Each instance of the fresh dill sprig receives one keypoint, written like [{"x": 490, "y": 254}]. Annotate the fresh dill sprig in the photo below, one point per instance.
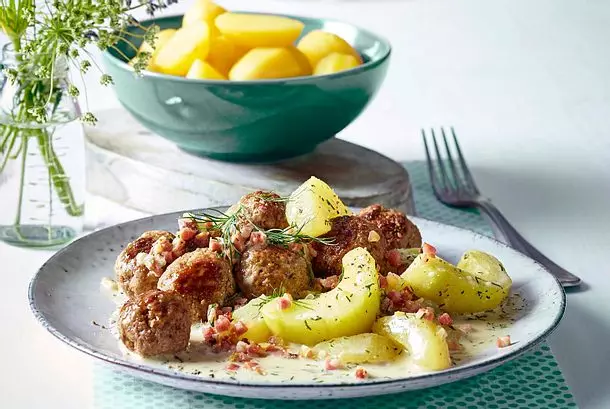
[
  {"x": 277, "y": 293},
  {"x": 291, "y": 234},
  {"x": 225, "y": 224}
]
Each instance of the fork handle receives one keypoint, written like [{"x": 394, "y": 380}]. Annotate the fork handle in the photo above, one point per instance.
[{"x": 505, "y": 232}]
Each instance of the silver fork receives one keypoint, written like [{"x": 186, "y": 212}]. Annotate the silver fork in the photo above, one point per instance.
[{"x": 454, "y": 185}]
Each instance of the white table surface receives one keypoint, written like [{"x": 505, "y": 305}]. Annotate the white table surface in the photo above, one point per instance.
[{"x": 527, "y": 86}]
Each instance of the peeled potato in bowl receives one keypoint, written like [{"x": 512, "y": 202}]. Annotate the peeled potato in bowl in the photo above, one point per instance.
[
  {"x": 317, "y": 44},
  {"x": 186, "y": 45},
  {"x": 335, "y": 62},
  {"x": 202, "y": 10},
  {"x": 266, "y": 63},
  {"x": 259, "y": 30}
]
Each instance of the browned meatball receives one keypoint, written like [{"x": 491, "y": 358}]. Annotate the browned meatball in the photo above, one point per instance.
[
  {"x": 155, "y": 323},
  {"x": 202, "y": 277},
  {"x": 264, "y": 209},
  {"x": 349, "y": 232},
  {"x": 135, "y": 278},
  {"x": 265, "y": 270},
  {"x": 398, "y": 231}
]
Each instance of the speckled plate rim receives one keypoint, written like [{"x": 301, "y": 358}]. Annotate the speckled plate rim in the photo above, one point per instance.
[{"x": 249, "y": 389}]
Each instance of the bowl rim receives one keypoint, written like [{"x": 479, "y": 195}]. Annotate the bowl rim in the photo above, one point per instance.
[{"x": 112, "y": 59}]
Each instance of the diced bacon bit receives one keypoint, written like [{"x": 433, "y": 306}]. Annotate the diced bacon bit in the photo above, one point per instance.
[
  {"x": 240, "y": 328},
  {"x": 215, "y": 245},
  {"x": 232, "y": 366},
  {"x": 267, "y": 347},
  {"x": 361, "y": 373},
  {"x": 331, "y": 364},
  {"x": 255, "y": 350},
  {"x": 429, "y": 250},
  {"x": 187, "y": 223},
  {"x": 374, "y": 237},
  {"x": 178, "y": 247},
  {"x": 329, "y": 282},
  {"x": 222, "y": 324},
  {"x": 284, "y": 302},
  {"x": 241, "y": 346},
  {"x": 240, "y": 357},
  {"x": 503, "y": 342},
  {"x": 394, "y": 296},
  {"x": 238, "y": 242},
  {"x": 306, "y": 352},
  {"x": 208, "y": 334},
  {"x": 254, "y": 366},
  {"x": 212, "y": 313},
  {"x": 393, "y": 257},
  {"x": 383, "y": 281},
  {"x": 445, "y": 319},
  {"x": 411, "y": 306},
  {"x": 258, "y": 237},
  {"x": 465, "y": 328},
  {"x": 426, "y": 313},
  {"x": 276, "y": 341},
  {"x": 201, "y": 240},
  {"x": 186, "y": 233}
]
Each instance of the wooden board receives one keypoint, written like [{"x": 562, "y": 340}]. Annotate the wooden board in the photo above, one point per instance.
[{"x": 129, "y": 165}]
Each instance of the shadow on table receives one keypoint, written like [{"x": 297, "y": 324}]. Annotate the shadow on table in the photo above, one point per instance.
[{"x": 580, "y": 344}]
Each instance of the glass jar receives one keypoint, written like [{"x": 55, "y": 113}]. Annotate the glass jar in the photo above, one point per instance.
[{"x": 42, "y": 172}]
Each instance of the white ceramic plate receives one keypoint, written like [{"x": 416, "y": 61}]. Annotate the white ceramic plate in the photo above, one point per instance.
[{"x": 65, "y": 297}]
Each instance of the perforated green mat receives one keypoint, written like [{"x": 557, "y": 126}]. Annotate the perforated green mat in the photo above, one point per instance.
[{"x": 532, "y": 381}]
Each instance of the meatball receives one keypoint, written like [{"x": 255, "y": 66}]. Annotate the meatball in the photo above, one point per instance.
[
  {"x": 133, "y": 277},
  {"x": 155, "y": 323},
  {"x": 398, "y": 231},
  {"x": 268, "y": 269},
  {"x": 202, "y": 277},
  {"x": 265, "y": 210},
  {"x": 349, "y": 232}
]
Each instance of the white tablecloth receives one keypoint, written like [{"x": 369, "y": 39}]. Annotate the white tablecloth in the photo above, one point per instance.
[{"x": 527, "y": 86}]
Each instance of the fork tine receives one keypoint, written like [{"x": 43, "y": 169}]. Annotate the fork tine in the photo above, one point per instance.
[
  {"x": 440, "y": 161},
  {"x": 465, "y": 171},
  {"x": 456, "y": 176},
  {"x": 431, "y": 171}
]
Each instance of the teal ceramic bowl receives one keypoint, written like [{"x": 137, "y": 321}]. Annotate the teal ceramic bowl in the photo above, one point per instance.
[{"x": 252, "y": 121}]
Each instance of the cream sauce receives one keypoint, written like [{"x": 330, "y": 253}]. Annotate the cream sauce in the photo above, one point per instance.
[{"x": 199, "y": 360}]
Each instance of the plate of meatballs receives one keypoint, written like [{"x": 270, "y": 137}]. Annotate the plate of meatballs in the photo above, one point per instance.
[{"x": 296, "y": 297}]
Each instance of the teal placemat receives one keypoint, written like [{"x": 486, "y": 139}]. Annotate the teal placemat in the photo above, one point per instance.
[{"x": 532, "y": 381}]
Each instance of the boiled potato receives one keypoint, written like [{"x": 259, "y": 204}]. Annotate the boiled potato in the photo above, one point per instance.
[
  {"x": 359, "y": 349},
  {"x": 302, "y": 60},
  {"x": 478, "y": 283},
  {"x": 265, "y": 63},
  {"x": 202, "y": 10},
  {"x": 348, "y": 309},
  {"x": 257, "y": 30},
  {"x": 224, "y": 53},
  {"x": 312, "y": 205},
  {"x": 250, "y": 314},
  {"x": 161, "y": 38},
  {"x": 318, "y": 44},
  {"x": 335, "y": 62},
  {"x": 183, "y": 48},
  {"x": 203, "y": 71},
  {"x": 425, "y": 340}
]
